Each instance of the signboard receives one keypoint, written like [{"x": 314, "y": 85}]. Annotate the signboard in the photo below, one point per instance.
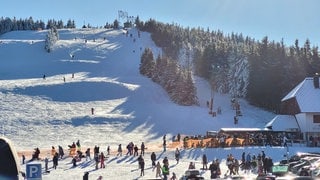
[
  {"x": 33, "y": 171},
  {"x": 280, "y": 169}
]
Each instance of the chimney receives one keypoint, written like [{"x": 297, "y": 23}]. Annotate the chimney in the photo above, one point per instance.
[{"x": 316, "y": 81}]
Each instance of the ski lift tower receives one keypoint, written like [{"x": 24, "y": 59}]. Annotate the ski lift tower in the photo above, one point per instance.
[
  {"x": 130, "y": 19},
  {"x": 122, "y": 16},
  {"x": 212, "y": 92},
  {"x": 211, "y": 100}
]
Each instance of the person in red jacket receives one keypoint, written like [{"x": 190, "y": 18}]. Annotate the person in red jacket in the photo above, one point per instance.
[{"x": 102, "y": 160}]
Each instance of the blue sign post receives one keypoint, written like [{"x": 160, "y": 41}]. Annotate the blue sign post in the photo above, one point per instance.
[{"x": 34, "y": 171}]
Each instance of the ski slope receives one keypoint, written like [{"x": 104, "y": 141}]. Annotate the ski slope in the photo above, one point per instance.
[{"x": 104, "y": 75}]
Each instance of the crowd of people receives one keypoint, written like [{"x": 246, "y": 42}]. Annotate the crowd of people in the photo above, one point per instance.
[
  {"x": 237, "y": 139},
  {"x": 260, "y": 164}
]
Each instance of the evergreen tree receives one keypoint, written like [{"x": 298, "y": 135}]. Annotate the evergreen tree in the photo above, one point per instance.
[
  {"x": 70, "y": 24},
  {"x": 60, "y": 24},
  {"x": 204, "y": 63},
  {"x": 187, "y": 90},
  {"x": 159, "y": 69},
  {"x": 147, "y": 63},
  {"x": 116, "y": 24},
  {"x": 138, "y": 23},
  {"x": 51, "y": 38},
  {"x": 315, "y": 60}
]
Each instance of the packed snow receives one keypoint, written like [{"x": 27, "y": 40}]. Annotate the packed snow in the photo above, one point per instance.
[{"x": 47, "y": 100}]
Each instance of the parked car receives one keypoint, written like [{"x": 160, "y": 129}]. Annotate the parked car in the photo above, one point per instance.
[
  {"x": 297, "y": 157},
  {"x": 192, "y": 174},
  {"x": 304, "y": 162}
]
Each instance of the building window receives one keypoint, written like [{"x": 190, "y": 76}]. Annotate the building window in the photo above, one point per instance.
[{"x": 316, "y": 118}]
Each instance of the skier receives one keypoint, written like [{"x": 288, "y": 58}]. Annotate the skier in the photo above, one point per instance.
[
  {"x": 55, "y": 160},
  {"x": 135, "y": 150},
  {"x": 96, "y": 149},
  {"x": 35, "y": 155},
  {"x": 88, "y": 154},
  {"x": 158, "y": 170},
  {"x": 119, "y": 150},
  {"x": 23, "y": 158},
  {"x": 74, "y": 161},
  {"x": 177, "y": 155},
  {"x": 53, "y": 151},
  {"x": 260, "y": 167},
  {"x": 108, "y": 150},
  {"x": 61, "y": 153},
  {"x": 80, "y": 156},
  {"x": 96, "y": 158},
  {"x": 130, "y": 148},
  {"x": 222, "y": 141},
  {"x": 243, "y": 159},
  {"x": 248, "y": 162},
  {"x": 46, "y": 161},
  {"x": 204, "y": 162},
  {"x": 230, "y": 164},
  {"x": 263, "y": 156},
  {"x": 236, "y": 166},
  {"x": 215, "y": 169},
  {"x": 285, "y": 140},
  {"x": 191, "y": 165},
  {"x": 153, "y": 159},
  {"x": 139, "y": 160},
  {"x": 165, "y": 161},
  {"x": 102, "y": 165},
  {"x": 165, "y": 171},
  {"x": 142, "y": 148},
  {"x": 141, "y": 165}
]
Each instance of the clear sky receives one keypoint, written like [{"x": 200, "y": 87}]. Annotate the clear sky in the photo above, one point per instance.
[{"x": 277, "y": 19}]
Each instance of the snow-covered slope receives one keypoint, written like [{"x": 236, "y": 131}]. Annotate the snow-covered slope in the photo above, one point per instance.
[
  {"x": 106, "y": 78},
  {"x": 104, "y": 75}
]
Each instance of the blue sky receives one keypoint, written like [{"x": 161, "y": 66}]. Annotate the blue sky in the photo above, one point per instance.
[{"x": 277, "y": 19}]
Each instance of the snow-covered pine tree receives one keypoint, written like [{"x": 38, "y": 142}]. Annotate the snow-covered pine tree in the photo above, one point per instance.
[
  {"x": 238, "y": 74},
  {"x": 169, "y": 80},
  {"x": 190, "y": 97},
  {"x": 115, "y": 24},
  {"x": 177, "y": 81},
  {"x": 147, "y": 63},
  {"x": 51, "y": 38},
  {"x": 159, "y": 69},
  {"x": 71, "y": 24}
]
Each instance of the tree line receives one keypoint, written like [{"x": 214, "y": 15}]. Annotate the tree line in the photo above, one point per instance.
[
  {"x": 261, "y": 71},
  {"x": 12, "y": 24}
]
